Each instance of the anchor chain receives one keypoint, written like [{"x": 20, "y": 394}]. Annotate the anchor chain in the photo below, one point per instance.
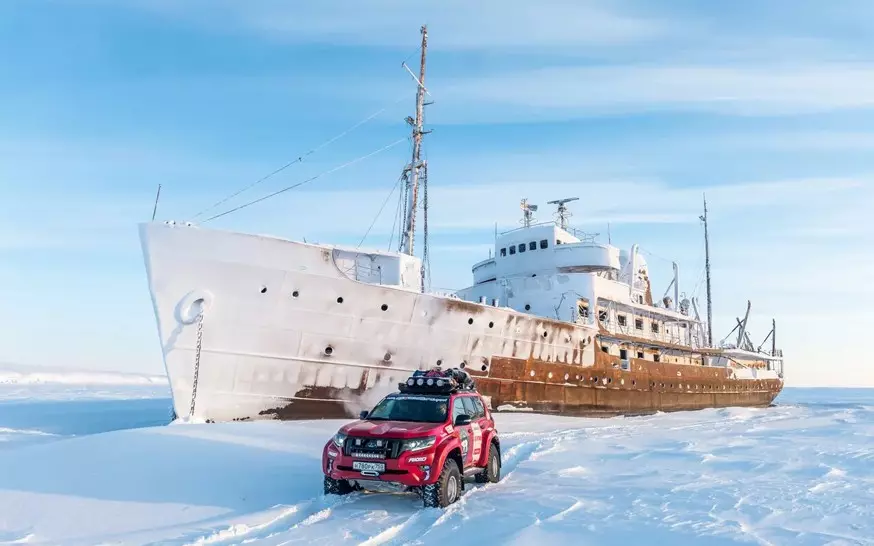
[{"x": 196, "y": 362}]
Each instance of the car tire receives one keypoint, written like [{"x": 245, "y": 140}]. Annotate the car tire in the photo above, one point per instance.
[
  {"x": 492, "y": 473},
  {"x": 337, "y": 487},
  {"x": 447, "y": 489}
]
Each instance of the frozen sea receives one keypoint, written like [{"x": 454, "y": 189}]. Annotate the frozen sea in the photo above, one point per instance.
[{"x": 90, "y": 460}]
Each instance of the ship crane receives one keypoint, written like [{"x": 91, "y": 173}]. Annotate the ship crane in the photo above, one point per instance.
[{"x": 563, "y": 212}]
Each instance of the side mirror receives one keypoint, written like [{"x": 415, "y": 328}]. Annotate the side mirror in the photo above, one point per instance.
[
  {"x": 462, "y": 420},
  {"x": 363, "y": 414}
]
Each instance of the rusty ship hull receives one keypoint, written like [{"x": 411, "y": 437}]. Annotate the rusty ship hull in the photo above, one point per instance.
[{"x": 255, "y": 327}]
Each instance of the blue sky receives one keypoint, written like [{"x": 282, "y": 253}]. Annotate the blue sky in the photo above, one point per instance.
[{"x": 637, "y": 108}]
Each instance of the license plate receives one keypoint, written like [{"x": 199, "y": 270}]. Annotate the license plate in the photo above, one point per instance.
[{"x": 374, "y": 467}]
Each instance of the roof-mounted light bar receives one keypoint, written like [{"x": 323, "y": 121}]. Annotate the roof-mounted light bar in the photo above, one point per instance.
[{"x": 437, "y": 381}]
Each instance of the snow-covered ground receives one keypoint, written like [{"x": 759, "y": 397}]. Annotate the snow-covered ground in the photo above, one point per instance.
[{"x": 99, "y": 465}]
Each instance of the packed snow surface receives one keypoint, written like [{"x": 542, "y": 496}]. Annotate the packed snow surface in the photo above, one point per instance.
[{"x": 108, "y": 470}]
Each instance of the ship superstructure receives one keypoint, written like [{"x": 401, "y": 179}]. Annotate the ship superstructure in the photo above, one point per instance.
[{"x": 255, "y": 326}]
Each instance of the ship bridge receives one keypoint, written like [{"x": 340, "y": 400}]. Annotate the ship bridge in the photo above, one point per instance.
[{"x": 545, "y": 249}]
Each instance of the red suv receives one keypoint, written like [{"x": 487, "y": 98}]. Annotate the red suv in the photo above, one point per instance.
[{"x": 426, "y": 438}]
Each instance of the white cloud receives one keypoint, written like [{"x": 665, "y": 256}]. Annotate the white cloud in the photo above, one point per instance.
[
  {"x": 486, "y": 24},
  {"x": 566, "y": 92}
]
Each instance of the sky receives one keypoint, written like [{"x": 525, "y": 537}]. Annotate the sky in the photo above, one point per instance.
[{"x": 637, "y": 108}]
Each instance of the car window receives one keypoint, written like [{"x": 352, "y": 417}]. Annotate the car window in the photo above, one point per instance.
[
  {"x": 469, "y": 408},
  {"x": 421, "y": 409},
  {"x": 480, "y": 409},
  {"x": 458, "y": 408}
]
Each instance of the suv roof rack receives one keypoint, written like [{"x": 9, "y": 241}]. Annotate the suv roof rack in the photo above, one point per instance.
[{"x": 437, "y": 381}]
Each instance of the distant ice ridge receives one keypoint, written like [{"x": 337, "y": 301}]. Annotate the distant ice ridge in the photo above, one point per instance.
[{"x": 11, "y": 374}]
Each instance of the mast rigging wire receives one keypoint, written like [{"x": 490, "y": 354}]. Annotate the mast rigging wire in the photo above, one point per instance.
[
  {"x": 384, "y": 203},
  {"x": 301, "y": 158},
  {"x": 293, "y": 186}
]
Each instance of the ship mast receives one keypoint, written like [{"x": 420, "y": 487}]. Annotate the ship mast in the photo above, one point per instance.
[
  {"x": 707, "y": 273},
  {"x": 412, "y": 171}
]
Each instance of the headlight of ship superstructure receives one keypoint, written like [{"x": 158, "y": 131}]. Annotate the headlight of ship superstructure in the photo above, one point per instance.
[
  {"x": 339, "y": 438},
  {"x": 418, "y": 444}
]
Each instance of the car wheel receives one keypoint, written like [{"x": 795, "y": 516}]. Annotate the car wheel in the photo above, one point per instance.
[
  {"x": 447, "y": 489},
  {"x": 492, "y": 472},
  {"x": 337, "y": 487}
]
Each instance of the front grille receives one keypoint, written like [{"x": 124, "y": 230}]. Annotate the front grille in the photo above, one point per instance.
[
  {"x": 372, "y": 448},
  {"x": 386, "y": 471}
]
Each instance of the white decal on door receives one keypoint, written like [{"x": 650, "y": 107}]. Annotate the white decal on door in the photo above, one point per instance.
[{"x": 477, "y": 440}]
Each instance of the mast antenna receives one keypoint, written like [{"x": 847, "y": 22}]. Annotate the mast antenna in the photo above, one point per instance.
[
  {"x": 416, "y": 166},
  {"x": 155, "y": 208},
  {"x": 563, "y": 212},
  {"x": 707, "y": 272},
  {"x": 527, "y": 213}
]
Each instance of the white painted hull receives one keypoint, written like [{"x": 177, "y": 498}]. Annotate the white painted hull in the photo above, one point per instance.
[{"x": 271, "y": 311}]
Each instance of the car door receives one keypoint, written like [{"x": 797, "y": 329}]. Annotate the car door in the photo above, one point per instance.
[
  {"x": 476, "y": 431},
  {"x": 465, "y": 432}
]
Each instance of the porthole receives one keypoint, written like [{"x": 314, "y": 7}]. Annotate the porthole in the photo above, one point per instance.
[
  {"x": 387, "y": 357},
  {"x": 532, "y": 373},
  {"x": 578, "y": 378},
  {"x": 295, "y": 294},
  {"x": 329, "y": 350},
  {"x": 609, "y": 380},
  {"x": 384, "y": 307},
  {"x": 491, "y": 325},
  {"x": 633, "y": 382},
  {"x": 545, "y": 334},
  {"x": 527, "y": 307},
  {"x": 621, "y": 381},
  {"x": 595, "y": 379},
  {"x": 484, "y": 367},
  {"x": 263, "y": 289},
  {"x": 439, "y": 362},
  {"x": 566, "y": 376},
  {"x": 470, "y": 321},
  {"x": 340, "y": 299},
  {"x": 463, "y": 364},
  {"x": 549, "y": 375}
]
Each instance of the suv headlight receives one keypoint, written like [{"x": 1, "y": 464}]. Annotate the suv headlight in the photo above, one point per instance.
[
  {"x": 339, "y": 438},
  {"x": 419, "y": 444}
]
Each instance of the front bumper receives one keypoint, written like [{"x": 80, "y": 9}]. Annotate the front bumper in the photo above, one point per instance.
[{"x": 410, "y": 469}]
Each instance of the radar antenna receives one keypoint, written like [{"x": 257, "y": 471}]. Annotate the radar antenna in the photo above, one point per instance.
[
  {"x": 527, "y": 212},
  {"x": 563, "y": 212}
]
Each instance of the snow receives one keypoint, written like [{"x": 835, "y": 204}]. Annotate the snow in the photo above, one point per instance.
[
  {"x": 106, "y": 469},
  {"x": 29, "y": 375}
]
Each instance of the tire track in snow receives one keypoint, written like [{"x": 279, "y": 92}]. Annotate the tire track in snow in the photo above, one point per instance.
[
  {"x": 412, "y": 530},
  {"x": 291, "y": 517}
]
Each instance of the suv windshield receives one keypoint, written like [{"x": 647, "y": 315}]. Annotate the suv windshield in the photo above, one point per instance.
[{"x": 420, "y": 409}]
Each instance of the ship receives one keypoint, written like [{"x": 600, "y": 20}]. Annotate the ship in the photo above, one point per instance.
[{"x": 263, "y": 327}]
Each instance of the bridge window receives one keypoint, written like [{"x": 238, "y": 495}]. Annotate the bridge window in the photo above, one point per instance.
[
  {"x": 640, "y": 355},
  {"x": 522, "y": 247},
  {"x": 656, "y": 357},
  {"x": 638, "y": 324},
  {"x": 532, "y": 245},
  {"x": 655, "y": 327},
  {"x": 512, "y": 250},
  {"x": 621, "y": 320},
  {"x": 602, "y": 315},
  {"x": 623, "y": 354},
  {"x": 544, "y": 243},
  {"x": 503, "y": 252},
  {"x": 583, "y": 309},
  {"x": 557, "y": 242}
]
